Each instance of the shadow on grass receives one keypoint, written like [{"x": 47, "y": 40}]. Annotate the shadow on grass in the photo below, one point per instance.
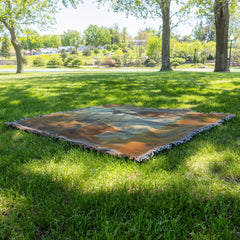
[
  {"x": 48, "y": 207},
  {"x": 43, "y": 205},
  {"x": 110, "y": 198},
  {"x": 70, "y": 91},
  {"x": 38, "y": 95}
]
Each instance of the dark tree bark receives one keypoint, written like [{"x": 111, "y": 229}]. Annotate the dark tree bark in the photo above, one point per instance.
[
  {"x": 17, "y": 48},
  {"x": 165, "y": 9},
  {"x": 221, "y": 12}
]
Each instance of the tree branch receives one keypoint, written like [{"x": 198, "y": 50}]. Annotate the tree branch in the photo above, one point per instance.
[{"x": 5, "y": 23}]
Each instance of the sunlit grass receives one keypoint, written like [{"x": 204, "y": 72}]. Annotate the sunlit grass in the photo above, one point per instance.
[{"x": 53, "y": 190}]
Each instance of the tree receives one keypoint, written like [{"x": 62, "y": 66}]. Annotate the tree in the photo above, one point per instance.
[
  {"x": 234, "y": 25},
  {"x": 115, "y": 35},
  {"x": 221, "y": 10},
  {"x": 124, "y": 35},
  {"x": 165, "y": 9},
  {"x": 86, "y": 52},
  {"x": 144, "y": 9},
  {"x": 51, "y": 41},
  {"x": 97, "y": 36},
  {"x": 31, "y": 41},
  {"x": 72, "y": 38},
  {"x": 186, "y": 38},
  {"x": 15, "y": 15},
  {"x": 205, "y": 32},
  {"x": 154, "y": 48},
  {"x": 144, "y": 35},
  {"x": 63, "y": 54},
  {"x": 5, "y": 50}
]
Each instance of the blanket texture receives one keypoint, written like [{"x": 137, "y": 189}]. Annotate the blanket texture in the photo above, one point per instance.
[{"x": 123, "y": 130}]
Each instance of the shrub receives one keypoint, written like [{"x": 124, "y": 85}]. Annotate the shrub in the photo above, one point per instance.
[
  {"x": 119, "y": 60},
  {"x": 63, "y": 54},
  {"x": 68, "y": 60},
  {"x": 73, "y": 61},
  {"x": 126, "y": 59},
  {"x": 195, "y": 56},
  {"x": 109, "y": 61},
  {"x": 109, "y": 48},
  {"x": 86, "y": 52},
  {"x": 96, "y": 50},
  {"x": 178, "y": 60},
  {"x": 150, "y": 62},
  {"x": 122, "y": 45},
  {"x": 76, "y": 62},
  {"x": 97, "y": 62},
  {"x": 125, "y": 50},
  {"x": 74, "y": 51},
  {"x": 211, "y": 57},
  {"x": 195, "y": 59},
  {"x": 54, "y": 62},
  {"x": 236, "y": 54},
  {"x": 180, "y": 54},
  {"x": 38, "y": 62},
  {"x": 115, "y": 46},
  {"x": 154, "y": 48},
  {"x": 118, "y": 52},
  {"x": 105, "y": 52},
  {"x": 131, "y": 46},
  {"x": 138, "y": 62},
  {"x": 130, "y": 63},
  {"x": 175, "y": 64},
  {"x": 203, "y": 59}
]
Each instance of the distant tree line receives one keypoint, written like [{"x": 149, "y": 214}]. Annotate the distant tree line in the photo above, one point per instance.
[
  {"x": 17, "y": 15},
  {"x": 195, "y": 48},
  {"x": 93, "y": 36}
]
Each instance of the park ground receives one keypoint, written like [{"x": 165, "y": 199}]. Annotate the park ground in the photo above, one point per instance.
[{"x": 53, "y": 190}]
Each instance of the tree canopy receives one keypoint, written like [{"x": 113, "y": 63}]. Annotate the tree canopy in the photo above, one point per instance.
[
  {"x": 17, "y": 15},
  {"x": 71, "y": 38},
  {"x": 22, "y": 13},
  {"x": 145, "y": 9},
  {"x": 5, "y": 49},
  {"x": 234, "y": 25},
  {"x": 97, "y": 36}
]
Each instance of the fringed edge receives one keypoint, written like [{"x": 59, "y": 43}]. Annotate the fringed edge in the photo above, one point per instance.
[
  {"x": 185, "y": 139},
  {"x": 114, "y": 152}
]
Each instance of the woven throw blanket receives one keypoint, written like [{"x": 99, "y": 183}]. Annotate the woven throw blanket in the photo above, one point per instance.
[{"x": 123, "y": 130}]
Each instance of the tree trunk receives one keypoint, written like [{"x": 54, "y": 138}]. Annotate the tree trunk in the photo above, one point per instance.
[
  {"x": 221, "y": 12},
  {"x": 17, "y": 48},
  {"x": 165, "y": 8}
]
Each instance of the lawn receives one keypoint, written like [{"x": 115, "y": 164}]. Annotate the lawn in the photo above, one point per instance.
[{"x": 53, "y": 190}]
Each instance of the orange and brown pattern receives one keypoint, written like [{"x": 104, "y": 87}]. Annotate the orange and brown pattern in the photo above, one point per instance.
[{"x": 136, "y": 133}]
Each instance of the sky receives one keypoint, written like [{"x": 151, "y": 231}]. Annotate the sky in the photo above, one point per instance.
[{"x": 88, "y": 13}]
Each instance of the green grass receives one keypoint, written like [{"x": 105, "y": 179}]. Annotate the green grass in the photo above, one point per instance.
[
  {"x": 8, "y": 67},
  {"x": 196, "y": 65},
  {"x": 53, "y": 190}
]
